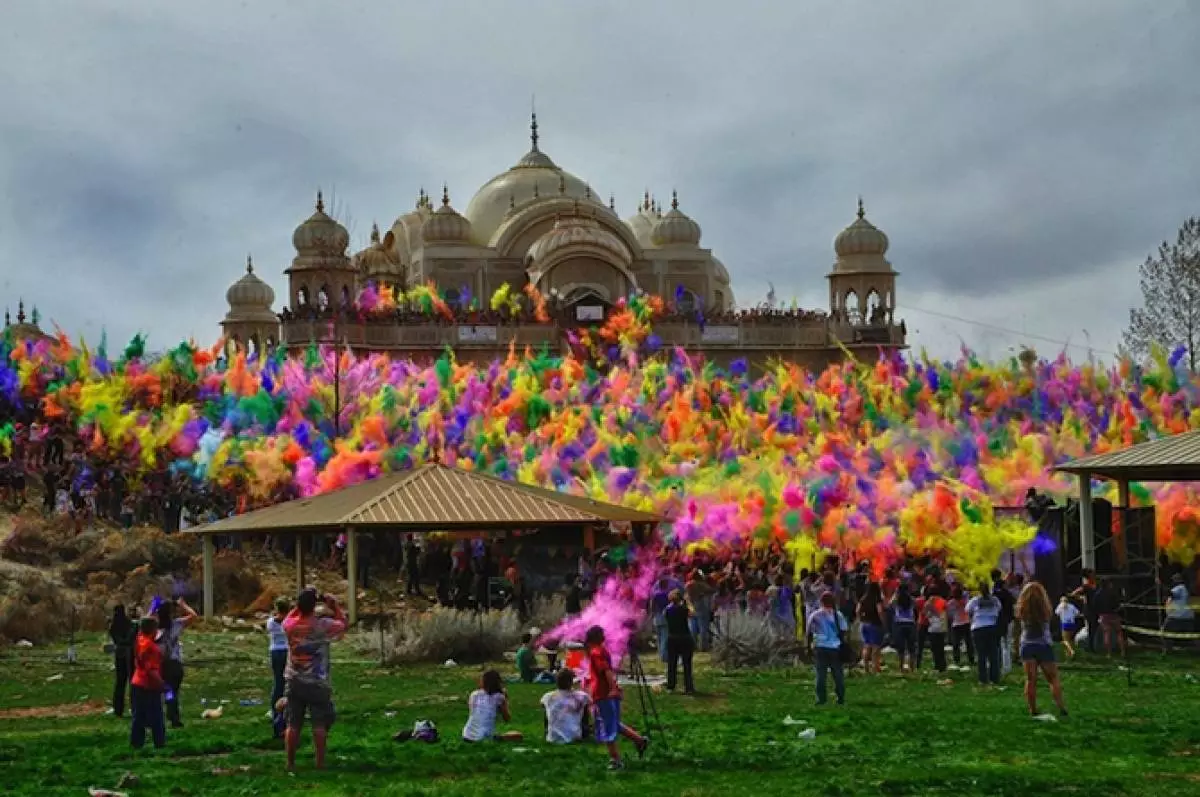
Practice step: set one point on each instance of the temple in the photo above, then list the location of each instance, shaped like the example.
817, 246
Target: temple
538, 225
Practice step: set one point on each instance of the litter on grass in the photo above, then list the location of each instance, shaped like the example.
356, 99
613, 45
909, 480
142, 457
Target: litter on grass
789, 721
1046, 718
808, 733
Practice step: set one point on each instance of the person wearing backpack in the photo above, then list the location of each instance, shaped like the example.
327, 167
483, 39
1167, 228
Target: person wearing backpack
826, 635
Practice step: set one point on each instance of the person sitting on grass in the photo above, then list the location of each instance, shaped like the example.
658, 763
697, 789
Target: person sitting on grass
527, 659
485, 704
606, 700
566, 710
147, 687
1037, 646
306, 676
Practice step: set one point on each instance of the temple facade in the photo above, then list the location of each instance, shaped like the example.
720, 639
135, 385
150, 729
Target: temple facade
538, 225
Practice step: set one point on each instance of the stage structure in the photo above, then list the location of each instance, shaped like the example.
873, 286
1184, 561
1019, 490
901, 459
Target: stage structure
429, 498
1120, 541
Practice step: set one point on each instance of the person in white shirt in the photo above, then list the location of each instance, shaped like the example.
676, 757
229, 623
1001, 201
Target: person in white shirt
277, 649
1068, 618
485, 704
566, 710
1181, 617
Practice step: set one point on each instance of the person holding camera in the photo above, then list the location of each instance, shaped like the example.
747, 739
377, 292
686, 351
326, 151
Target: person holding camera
307, 687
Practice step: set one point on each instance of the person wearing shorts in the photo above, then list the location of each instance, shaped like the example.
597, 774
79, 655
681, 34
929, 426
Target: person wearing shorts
307, 687
1068, 618
606, 700
1037, 646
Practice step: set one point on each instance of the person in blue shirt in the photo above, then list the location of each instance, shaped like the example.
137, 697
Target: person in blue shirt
984, 610
826, 632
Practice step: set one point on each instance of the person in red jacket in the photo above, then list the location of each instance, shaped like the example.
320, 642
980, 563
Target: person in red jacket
147, 688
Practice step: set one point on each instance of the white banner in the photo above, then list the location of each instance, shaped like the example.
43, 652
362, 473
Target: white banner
589, 312
471, 334
720, 335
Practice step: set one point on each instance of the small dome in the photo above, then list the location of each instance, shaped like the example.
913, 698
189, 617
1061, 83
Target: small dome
320, 234
250, 292
379, 257
446, 225
676, 227
860, 238
577, 230
719, 271
641, 224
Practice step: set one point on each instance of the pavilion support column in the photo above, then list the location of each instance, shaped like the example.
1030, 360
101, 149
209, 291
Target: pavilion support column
300, 540
1087, 536
351, 575
207, 542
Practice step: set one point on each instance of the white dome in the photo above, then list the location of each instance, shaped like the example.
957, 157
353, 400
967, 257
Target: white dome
535, 175
719, 271
860, 238
250, 292
446, 225
576, 230
319, 234
676, 227
642, 223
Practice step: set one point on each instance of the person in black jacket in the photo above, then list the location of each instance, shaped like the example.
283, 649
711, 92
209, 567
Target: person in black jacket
680, 644
121, 631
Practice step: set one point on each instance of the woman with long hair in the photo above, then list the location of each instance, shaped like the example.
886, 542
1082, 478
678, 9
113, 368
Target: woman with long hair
904, 628
122, 632
871, 612
1037, 646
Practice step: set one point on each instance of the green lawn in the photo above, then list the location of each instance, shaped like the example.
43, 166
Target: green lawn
897, 736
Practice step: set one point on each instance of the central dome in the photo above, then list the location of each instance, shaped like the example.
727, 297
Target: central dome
534, 176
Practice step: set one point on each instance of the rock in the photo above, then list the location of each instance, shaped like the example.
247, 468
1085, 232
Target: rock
24, 643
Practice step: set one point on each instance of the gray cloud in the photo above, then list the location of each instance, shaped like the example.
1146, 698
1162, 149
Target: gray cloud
1023, 157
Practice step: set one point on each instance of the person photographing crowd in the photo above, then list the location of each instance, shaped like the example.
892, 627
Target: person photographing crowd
307, 688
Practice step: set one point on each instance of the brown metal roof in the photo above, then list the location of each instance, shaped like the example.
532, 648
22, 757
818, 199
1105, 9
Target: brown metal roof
1175, 458
429, 498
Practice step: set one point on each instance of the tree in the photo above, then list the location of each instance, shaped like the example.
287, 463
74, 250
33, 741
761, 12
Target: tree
1170, 311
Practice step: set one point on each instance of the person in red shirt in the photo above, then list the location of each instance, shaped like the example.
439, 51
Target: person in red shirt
147, 687
606, 699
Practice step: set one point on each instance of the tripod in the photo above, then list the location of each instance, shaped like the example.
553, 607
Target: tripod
646, 698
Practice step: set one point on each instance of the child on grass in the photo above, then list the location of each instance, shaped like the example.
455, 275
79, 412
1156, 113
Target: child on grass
566, 710
148, 685
484, 705
606, 700
527, 659
277, 649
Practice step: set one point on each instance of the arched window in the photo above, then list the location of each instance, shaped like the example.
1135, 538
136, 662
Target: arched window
874, 310
323, 298
452, 297
687, 302
345, 296
302, 297
850, 303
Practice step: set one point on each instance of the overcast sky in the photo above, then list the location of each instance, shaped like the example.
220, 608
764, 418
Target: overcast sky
1023, 157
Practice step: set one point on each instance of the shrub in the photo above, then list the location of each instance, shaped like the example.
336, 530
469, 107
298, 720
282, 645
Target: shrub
748, 640
441, 633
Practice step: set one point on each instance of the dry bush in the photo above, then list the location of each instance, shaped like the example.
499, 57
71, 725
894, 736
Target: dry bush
547, 612
748, 640
236, 584
442, 633
39, 541
122, 552
36, 608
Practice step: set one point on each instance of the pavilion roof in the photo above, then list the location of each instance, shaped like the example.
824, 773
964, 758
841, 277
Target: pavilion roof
1175, 458
429, 498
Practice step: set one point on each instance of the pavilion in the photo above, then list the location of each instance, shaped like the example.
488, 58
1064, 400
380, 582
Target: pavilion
1168, 459
428, 498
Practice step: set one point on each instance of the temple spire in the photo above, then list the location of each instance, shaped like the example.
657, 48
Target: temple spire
533, 133
7, 319
20, 311
249, 265
320, 202
612, 202
374, 233
862, 213
445, 196
674, 200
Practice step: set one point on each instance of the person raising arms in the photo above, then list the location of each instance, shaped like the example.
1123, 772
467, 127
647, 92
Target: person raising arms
307, 686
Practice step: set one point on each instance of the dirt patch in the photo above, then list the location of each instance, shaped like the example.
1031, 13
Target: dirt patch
62, 711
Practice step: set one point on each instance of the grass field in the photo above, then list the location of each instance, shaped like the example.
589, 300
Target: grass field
897, 735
